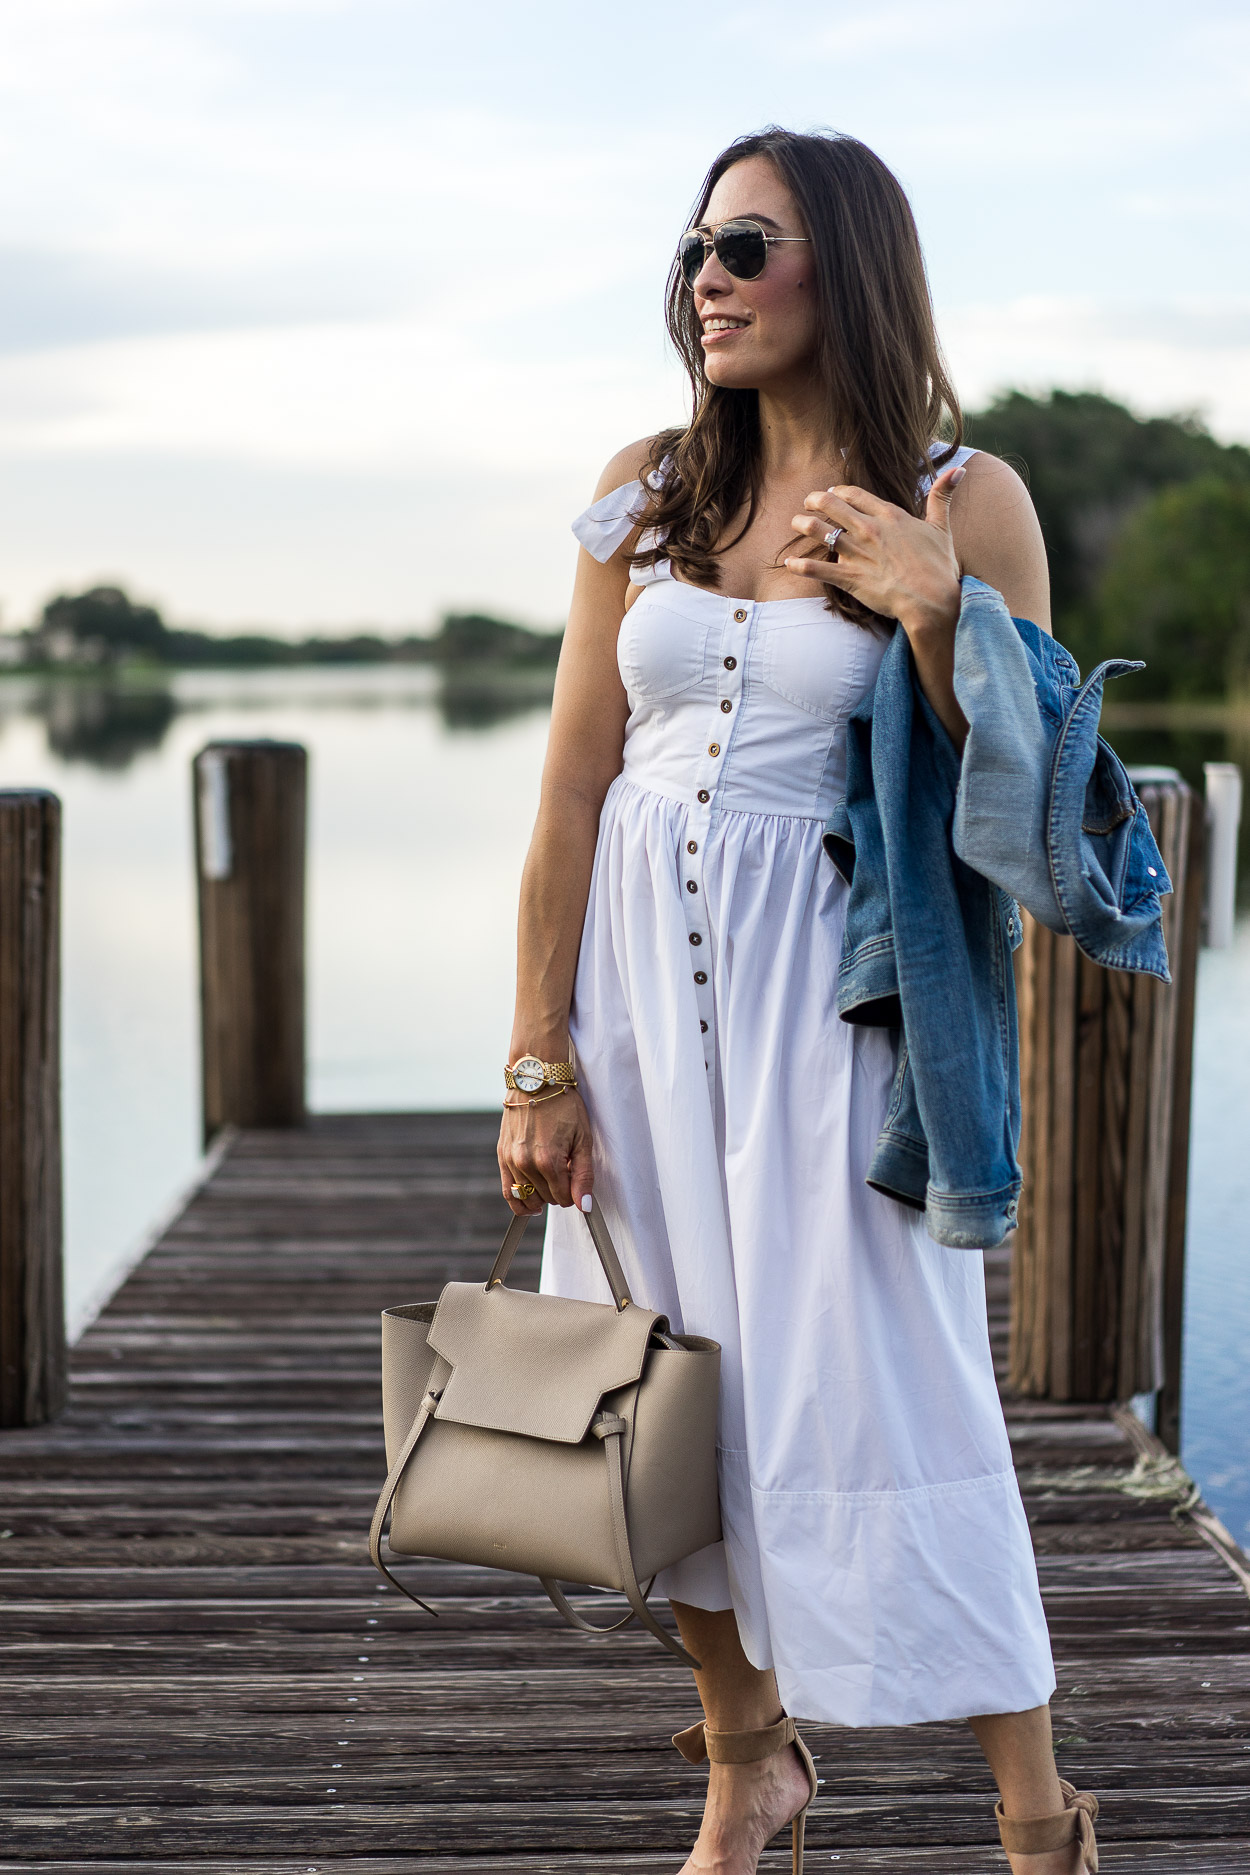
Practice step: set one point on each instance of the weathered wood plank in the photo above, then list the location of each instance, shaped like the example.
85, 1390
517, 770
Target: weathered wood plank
194, 1642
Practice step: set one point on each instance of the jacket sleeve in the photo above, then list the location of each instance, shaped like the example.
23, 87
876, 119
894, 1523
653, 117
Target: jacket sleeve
1000, 822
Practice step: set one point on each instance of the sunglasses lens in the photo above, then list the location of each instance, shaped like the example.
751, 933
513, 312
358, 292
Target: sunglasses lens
690, 253
741, 249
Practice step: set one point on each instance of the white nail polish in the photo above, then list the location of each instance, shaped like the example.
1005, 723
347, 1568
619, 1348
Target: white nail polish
587, 1202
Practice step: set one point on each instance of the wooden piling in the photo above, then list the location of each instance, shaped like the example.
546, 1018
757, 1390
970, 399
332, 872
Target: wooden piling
32, 1320
1098, 1265
250, 832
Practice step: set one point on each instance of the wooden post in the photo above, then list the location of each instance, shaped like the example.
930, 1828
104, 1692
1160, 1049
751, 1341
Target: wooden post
32, 1314
250, 822
1098, 1260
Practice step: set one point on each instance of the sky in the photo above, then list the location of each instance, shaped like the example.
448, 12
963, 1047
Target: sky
327, 313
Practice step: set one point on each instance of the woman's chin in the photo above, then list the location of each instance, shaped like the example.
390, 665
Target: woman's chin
731, 374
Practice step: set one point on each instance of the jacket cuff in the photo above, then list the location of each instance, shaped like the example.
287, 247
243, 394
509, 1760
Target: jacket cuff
900, 1169
972, 1220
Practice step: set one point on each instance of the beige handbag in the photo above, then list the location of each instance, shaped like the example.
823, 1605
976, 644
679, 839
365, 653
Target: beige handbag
573, 1441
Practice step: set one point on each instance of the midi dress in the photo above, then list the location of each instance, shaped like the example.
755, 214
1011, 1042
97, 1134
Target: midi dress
875, 1549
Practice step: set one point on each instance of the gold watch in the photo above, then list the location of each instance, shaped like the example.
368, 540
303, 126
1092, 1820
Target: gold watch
527, 1074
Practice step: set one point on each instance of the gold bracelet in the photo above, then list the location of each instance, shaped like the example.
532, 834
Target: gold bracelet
536, 1100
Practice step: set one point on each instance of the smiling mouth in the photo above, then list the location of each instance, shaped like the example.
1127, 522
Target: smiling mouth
716, 328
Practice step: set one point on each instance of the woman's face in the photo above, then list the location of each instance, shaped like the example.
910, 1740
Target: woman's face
757, 332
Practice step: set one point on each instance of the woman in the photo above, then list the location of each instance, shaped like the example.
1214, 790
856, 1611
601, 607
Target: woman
680, 928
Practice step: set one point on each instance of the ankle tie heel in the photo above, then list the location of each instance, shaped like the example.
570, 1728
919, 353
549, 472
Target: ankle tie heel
1036, 1835
698, 1742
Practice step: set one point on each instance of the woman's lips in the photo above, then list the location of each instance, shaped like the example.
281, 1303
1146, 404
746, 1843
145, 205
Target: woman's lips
713, 335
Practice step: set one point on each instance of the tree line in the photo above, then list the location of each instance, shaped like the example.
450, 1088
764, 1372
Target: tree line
1147, 530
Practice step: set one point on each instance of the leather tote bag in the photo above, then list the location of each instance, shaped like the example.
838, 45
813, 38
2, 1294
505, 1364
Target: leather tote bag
572, 1441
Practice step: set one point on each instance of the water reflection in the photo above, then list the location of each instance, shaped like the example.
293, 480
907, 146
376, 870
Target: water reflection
108, 722
104, 725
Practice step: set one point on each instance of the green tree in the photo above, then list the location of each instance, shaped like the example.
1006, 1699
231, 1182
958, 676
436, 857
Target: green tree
1090, 464
1176, 591
106, 616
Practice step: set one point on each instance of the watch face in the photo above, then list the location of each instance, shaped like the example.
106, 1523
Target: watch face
529, 1074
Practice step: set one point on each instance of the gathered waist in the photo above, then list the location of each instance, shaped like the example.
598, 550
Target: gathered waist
729, 801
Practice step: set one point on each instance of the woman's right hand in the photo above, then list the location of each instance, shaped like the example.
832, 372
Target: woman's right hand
547, 1145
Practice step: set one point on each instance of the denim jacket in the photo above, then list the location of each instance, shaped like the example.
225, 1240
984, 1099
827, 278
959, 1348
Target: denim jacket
937, 848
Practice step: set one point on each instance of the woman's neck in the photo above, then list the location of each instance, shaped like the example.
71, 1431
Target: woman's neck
794, 431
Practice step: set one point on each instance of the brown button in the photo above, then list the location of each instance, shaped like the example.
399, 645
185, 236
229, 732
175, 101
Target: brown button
726, 705
695, 938
739, 615
713, 748
703, 1026
691, 886
692, 846
704, 795
731, 664
700, 976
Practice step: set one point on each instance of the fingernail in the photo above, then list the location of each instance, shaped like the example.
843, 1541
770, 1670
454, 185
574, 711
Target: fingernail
587, 1202
958, 476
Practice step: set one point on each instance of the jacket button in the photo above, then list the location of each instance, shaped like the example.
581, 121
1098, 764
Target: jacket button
700, 976
740, 615
713, 748
703, 795
692, 846
703, 1026
691, 886
726, 705
731, 664
695, 938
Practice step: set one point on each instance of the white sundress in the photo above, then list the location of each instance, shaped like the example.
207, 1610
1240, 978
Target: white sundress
876, 1551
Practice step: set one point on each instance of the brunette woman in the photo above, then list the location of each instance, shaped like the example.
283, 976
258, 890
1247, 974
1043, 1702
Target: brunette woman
680, 935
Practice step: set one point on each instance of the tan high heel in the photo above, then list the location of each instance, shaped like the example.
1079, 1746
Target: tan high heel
697, 1743
1036, 1835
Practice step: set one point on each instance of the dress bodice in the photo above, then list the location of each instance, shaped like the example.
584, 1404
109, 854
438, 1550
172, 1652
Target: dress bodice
734, 705
737, 705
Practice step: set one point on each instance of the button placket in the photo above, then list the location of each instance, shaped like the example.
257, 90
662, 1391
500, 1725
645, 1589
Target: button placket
703, 811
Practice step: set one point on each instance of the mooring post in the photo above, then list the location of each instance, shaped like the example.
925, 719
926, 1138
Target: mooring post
250, 825
1098, 1260
32, 1313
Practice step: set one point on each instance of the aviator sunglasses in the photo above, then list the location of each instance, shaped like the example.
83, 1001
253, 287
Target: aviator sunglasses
741, 247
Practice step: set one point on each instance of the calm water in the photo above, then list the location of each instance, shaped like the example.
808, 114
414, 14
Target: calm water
421, 805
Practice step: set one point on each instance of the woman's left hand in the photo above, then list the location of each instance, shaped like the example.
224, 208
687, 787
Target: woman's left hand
901, 566
897, 564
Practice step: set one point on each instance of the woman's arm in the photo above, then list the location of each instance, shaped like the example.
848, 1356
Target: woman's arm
548, 1144
978, 519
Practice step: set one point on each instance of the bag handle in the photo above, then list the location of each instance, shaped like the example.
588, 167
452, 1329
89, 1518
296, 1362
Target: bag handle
602, 1241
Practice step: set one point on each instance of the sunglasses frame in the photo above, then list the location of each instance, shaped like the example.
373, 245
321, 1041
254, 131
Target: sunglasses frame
709, 244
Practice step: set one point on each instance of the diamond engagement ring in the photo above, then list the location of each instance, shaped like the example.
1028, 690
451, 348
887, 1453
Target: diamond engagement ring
831, 538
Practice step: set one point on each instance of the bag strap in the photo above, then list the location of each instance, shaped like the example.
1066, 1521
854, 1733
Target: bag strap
602, 1241
610, 1427
433, 1394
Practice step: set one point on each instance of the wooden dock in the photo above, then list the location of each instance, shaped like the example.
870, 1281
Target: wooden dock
202, 1672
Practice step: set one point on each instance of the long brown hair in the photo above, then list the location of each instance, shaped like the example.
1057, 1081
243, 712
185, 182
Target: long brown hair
887, 392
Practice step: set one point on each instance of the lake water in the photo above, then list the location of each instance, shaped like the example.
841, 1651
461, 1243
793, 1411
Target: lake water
421, 803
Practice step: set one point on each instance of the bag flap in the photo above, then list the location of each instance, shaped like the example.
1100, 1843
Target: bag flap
537, 1365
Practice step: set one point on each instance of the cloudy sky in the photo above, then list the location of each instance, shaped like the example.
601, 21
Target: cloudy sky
324, 312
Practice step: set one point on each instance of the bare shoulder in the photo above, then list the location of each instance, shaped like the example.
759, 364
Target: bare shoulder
626, 466
998, 537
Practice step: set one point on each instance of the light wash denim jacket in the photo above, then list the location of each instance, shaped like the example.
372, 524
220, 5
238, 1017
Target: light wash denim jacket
936, 850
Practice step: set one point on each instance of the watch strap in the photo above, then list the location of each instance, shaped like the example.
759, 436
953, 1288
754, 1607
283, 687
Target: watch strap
555, 1073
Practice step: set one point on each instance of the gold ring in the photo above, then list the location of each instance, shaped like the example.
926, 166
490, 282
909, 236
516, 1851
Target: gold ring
524, 1190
